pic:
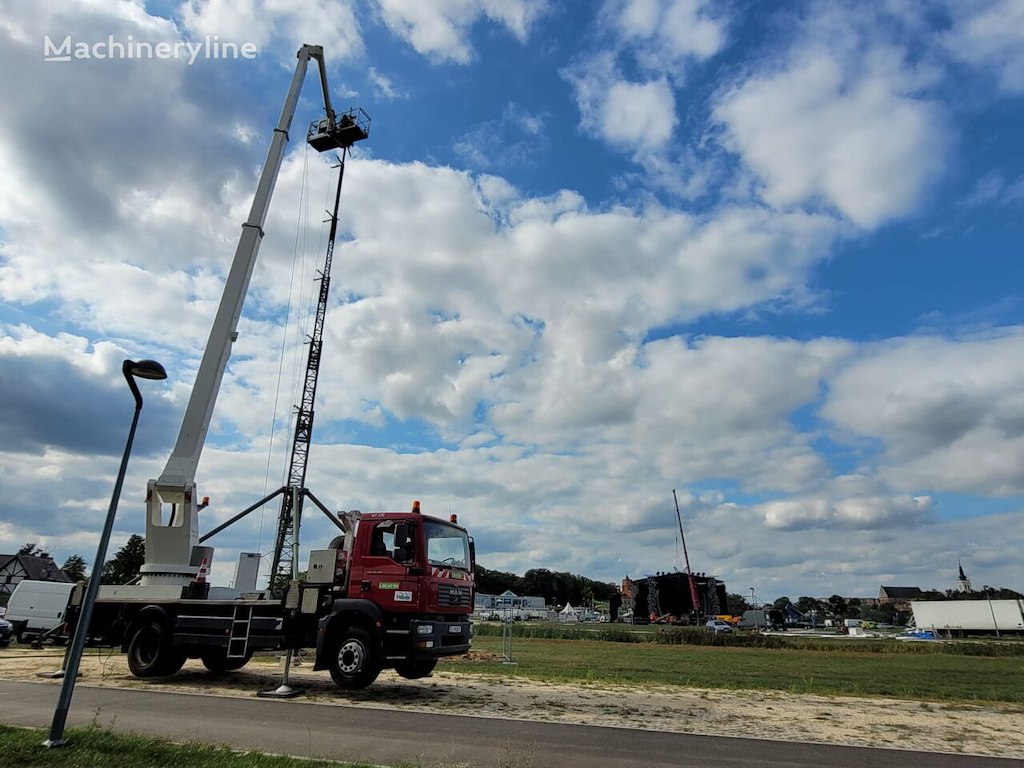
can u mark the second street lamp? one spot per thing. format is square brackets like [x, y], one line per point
[143, 369]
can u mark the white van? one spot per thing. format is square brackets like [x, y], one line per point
[36, 607]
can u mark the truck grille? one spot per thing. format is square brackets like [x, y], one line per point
[450, 596]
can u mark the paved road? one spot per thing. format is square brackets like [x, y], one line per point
[385, 737]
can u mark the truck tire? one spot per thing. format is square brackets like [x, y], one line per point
[414, 670]
[218, 661]
[150, 653]
[354, 659]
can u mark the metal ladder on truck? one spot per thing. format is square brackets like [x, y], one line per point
[241, 625]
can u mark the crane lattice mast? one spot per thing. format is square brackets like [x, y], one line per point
[290, 515]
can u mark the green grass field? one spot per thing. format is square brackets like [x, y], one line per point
[100, 748]
[927, 673]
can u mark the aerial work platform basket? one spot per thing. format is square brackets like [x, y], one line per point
[350, 127]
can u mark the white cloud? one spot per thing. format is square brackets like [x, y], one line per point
[439, 29]
[664, 33]
[639, 115]
[990, 36]
[859, 512]
[513, 141]
[278, 23]
[517, 16]
[383, 86]
[994, 188]
[245, 21]
[948, 413]
[459, 303]
[826, 131]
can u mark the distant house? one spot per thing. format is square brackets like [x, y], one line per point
[15, 568]
[899, 596]
[508, 600]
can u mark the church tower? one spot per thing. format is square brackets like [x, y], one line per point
[963, 584]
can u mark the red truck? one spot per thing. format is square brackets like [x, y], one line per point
[394, 591]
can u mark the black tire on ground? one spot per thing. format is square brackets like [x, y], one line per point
[218, 661]
[150, 653]
[413, 670]
[354, 659]
[175, 661]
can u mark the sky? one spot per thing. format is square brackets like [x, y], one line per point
[767, 255]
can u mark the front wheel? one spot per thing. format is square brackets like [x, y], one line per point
[354, 659]
[414, 670]
[150, 653]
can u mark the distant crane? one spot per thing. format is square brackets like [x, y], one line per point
[689, 573]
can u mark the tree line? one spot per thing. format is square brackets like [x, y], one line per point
[124, 566]
[838, 607]
[556, 587]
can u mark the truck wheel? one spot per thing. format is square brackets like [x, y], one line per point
[218, 661]
[414, 670]
[354, 659]
[150, 653]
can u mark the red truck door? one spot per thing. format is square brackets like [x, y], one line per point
[379, 576]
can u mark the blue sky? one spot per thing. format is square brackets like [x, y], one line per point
[765, 255]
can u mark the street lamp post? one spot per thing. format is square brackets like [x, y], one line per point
[143, 369]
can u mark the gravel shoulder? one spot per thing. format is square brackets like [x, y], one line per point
[996, 730]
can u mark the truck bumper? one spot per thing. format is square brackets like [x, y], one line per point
[433, 639]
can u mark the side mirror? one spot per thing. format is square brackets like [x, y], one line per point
[472, 553]
[403, 543]
[401, 535]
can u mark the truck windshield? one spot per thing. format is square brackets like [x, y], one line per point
[446, 545]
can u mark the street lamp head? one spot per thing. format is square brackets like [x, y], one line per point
[145, 369]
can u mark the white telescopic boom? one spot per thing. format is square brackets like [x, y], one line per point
[169, 542]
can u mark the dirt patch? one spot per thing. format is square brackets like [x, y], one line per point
[969, 729]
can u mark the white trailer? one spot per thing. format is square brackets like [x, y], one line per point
[969, 616]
